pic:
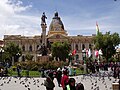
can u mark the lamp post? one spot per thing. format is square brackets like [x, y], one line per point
[14, 57]
[1, 52]
[18, 54]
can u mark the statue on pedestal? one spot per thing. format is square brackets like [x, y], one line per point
[43, 19]
[43, 50]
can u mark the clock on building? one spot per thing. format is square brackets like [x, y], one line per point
[57, 36]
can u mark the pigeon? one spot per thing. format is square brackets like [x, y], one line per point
[95, 85]
[106, 86]
[91, 87]
[29, 83]
[1, 84]
[15, 81]
[25, 85]
[4, 81]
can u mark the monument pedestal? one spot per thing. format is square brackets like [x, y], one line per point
[115, 86]
[42, 58]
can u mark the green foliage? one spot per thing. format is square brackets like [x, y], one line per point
[32, 65]
[107, 43]
[29, 56]
[24, 73]
[11, 50]
[60, 50]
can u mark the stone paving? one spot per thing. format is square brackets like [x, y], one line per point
[90, 83]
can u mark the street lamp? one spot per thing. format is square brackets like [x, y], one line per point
[14, 57]
[18, 54]
[1, 53]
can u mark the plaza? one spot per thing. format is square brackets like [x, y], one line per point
[90, 83]
[38, 36]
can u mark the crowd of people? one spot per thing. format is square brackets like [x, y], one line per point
[96, 67]
[62, 74]
[63, 79]
[67, 83]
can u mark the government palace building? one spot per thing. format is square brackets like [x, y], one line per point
[56, 33]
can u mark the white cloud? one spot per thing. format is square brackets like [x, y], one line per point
[87, 26]
[12, 21]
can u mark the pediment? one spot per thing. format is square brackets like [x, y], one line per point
[57, 36]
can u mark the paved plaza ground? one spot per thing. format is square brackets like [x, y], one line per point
[90, 83]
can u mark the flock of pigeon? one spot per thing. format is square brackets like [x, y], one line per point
[18, 83]
[90, 82]
[93, 82]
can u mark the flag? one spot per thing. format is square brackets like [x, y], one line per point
[100, 52]
[73, 52]
[89, 53]
[97, 29]
[96, 53]
[86, 52]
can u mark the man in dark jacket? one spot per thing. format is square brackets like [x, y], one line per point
[49, 84]
[71, 84]
[59, 76]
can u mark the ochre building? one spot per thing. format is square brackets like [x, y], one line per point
[56, 32]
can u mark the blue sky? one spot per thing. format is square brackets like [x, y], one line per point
[22, 17]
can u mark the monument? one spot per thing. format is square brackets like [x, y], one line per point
[43, 49]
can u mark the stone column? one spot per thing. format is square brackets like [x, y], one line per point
[43, 26]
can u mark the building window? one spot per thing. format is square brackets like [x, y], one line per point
[77, 57]
[37, 47]
[83, 46]
[23, 58]
[76, 47]
[30, 48]
[90, 46]
[23, 48]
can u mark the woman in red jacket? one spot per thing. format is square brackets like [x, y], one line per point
[65, 79]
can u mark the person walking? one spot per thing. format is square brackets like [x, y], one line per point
[74, 72]
[71, 84]
[18, 70]
[65, 79]
[49, 84]
[59, 76]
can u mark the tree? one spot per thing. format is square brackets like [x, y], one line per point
[29, 56]
[107, 43]
[60, 50]
[12, 50]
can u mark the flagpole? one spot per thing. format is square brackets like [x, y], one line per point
[97, 28]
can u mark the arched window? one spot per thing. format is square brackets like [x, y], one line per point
[76, 47]
[90, 46]
[23, 58]
[77, 57]
[30, 48]
[23, 48]
[37, 47]
[83, 46]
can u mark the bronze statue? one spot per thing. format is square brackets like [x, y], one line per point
[43, 50]
[43, 18]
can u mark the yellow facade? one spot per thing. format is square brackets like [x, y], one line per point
[56, 33]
